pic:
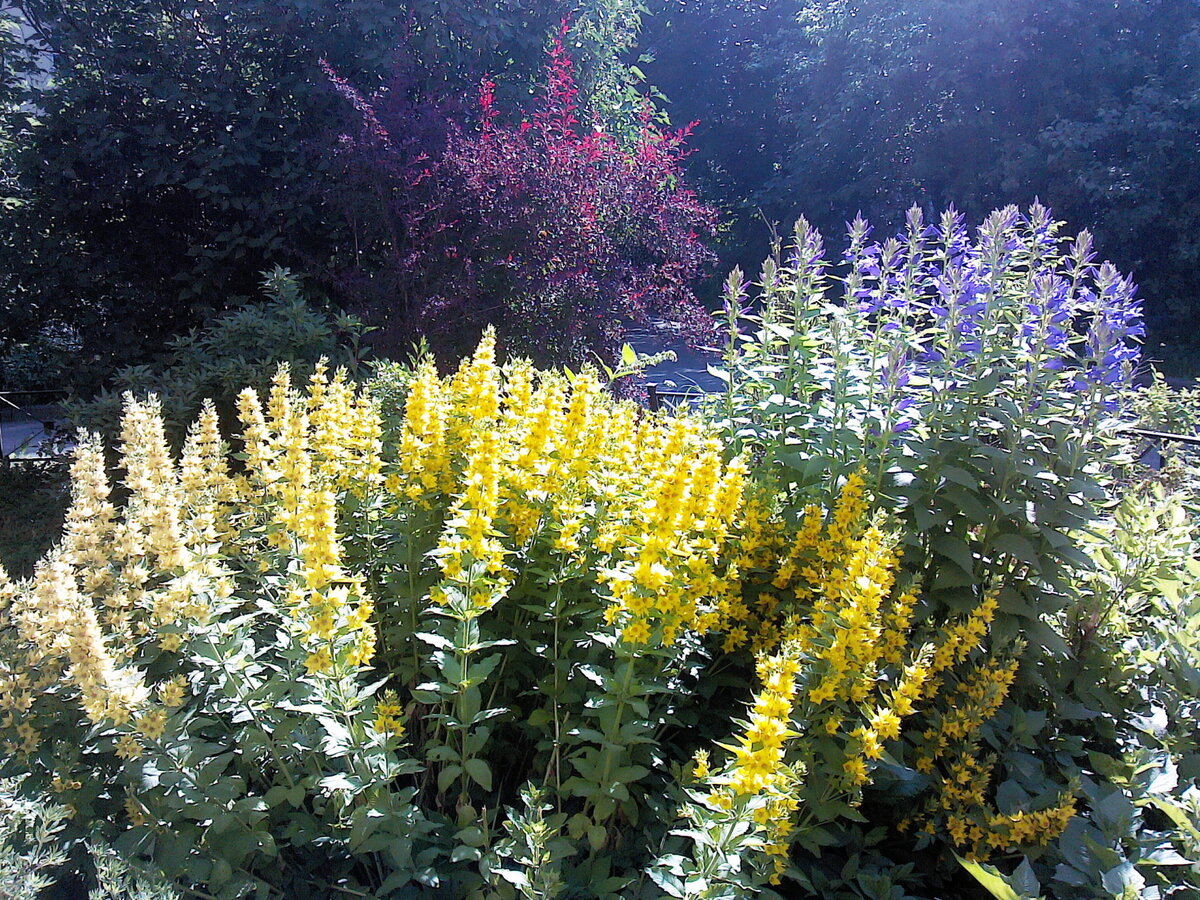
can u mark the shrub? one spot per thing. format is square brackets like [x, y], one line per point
[183, 147]
[33, 500]
[240, 348]
[1130, 690]
[552, 229]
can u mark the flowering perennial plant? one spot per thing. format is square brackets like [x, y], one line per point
[842, 668]
[976, 379]
[156, 659]
[976, 374]
[278, 668]
[462, 633]
[562, 523]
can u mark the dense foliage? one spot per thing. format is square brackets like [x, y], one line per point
[171, 162]
[239, 349]
[181, 149]
[873, 106]
[980, 375]
[550, 228]
[288, 676]
[898, 614]
[210, 133]
[498, 634]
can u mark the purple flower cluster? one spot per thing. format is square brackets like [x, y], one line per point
[938, 308]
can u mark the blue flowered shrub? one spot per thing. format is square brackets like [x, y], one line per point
[978, 374]
[976, 379]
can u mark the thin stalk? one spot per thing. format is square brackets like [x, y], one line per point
[241, 698]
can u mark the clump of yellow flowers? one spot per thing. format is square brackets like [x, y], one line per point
[841, 667]
[356, 622]
[135, 588]
[948, 750]
[519, 456]
[558, 517]
[231, 612]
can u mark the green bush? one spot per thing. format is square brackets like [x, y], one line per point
[36, 860]
[885, 628]
[240, 348]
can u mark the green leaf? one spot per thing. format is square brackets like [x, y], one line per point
[992, 880]
[596, 835]
[954, 549]
[1024, 879]
[465, 853]
[1176, 815]
[1120, 877]
[210, 770]
[626, 774]
[472, 836]
[1016, 546]
[435, 640]
[448, 776]
[480, 773]
[960, 477]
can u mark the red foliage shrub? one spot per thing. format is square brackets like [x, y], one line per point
[552, 229]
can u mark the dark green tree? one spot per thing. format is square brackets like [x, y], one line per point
[175, 155]
[825, 107]
[183, 147]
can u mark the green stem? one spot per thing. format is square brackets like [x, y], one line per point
[241, 698]
[615, 731]
[460, 709]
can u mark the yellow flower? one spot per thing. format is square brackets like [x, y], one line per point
[30, 737]
[152, 724]
[856, 771]
[636, 632]
[389, 725]
[319, 663]
[129, 747]
[170, 641]
[886, 724]
[172, 691]
[719, 800]
[135, 812]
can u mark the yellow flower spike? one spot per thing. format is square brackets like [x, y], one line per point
[89, 519]
[279, 399]
[255, 436]
[154, 506]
